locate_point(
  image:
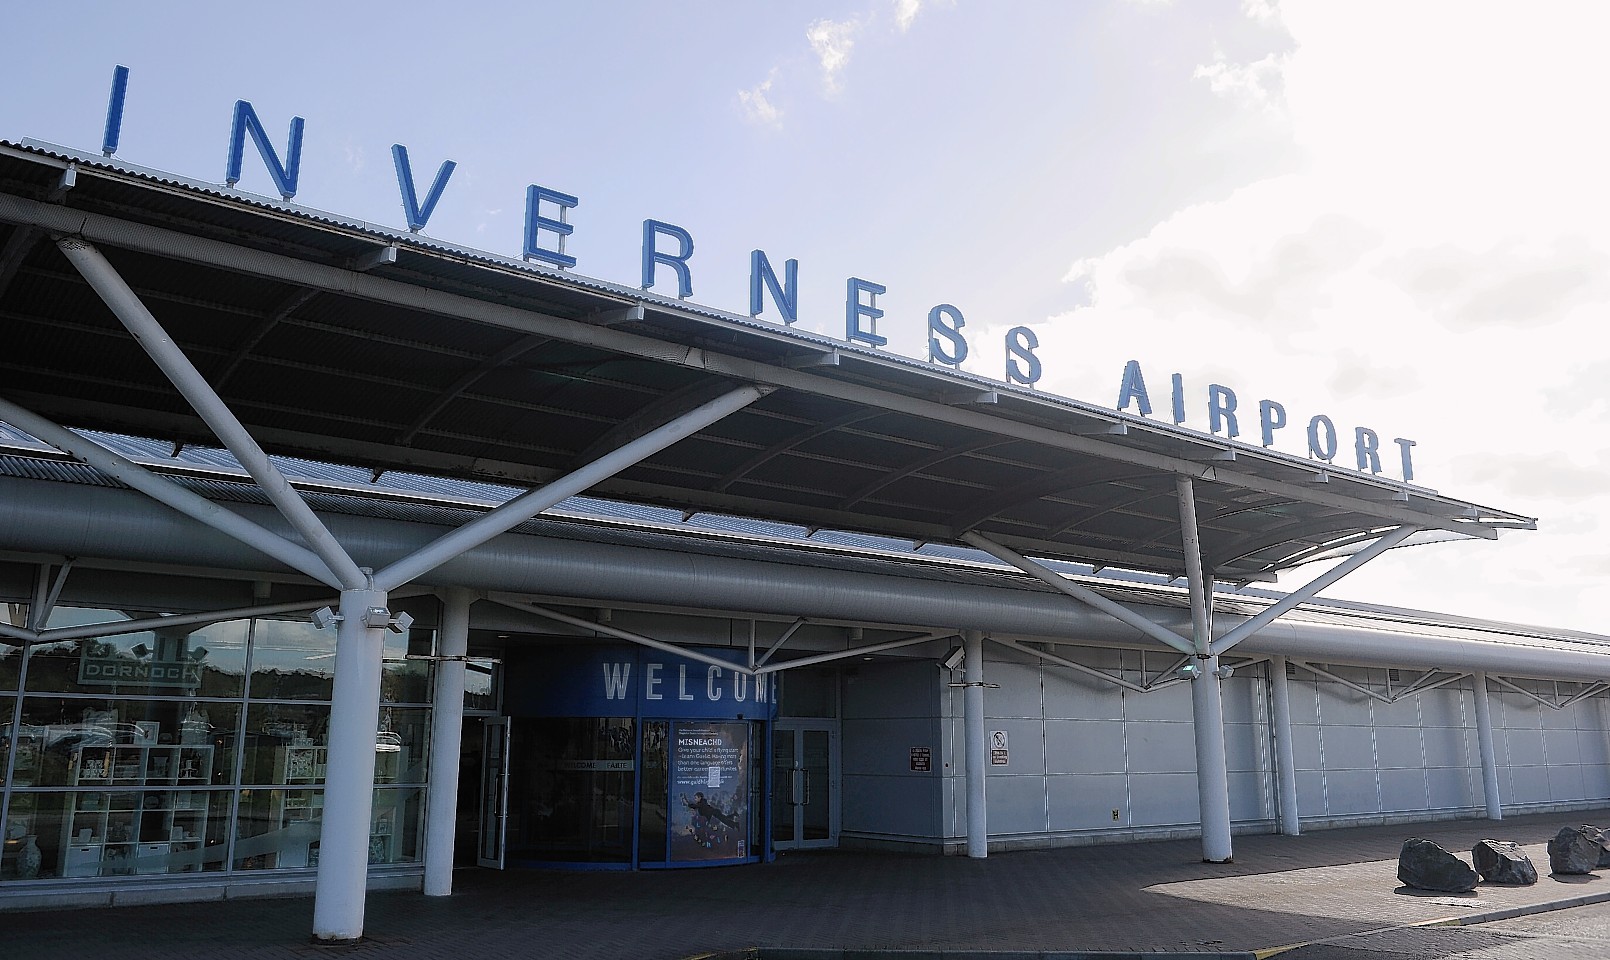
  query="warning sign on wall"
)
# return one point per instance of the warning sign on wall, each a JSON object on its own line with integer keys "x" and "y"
{"x": 997, "y": 748}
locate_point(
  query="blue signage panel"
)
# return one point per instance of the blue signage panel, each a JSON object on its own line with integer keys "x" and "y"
{"x": 633, "y": 682}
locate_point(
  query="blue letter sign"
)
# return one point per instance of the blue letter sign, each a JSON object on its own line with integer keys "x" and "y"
{"x": 417, "y": 215}
{"x": 951, "y": 331}
{"x": 246, "y": 122}
{"x": 854, "y": 310}
{"x": 114, "y": 110}
{"x": 786, "y": 296}
{"x": 535, "y": 223}
{"x": 676, "y": 261}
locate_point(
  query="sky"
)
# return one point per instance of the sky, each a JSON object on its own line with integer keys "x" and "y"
{"x": 1393, "y": 214}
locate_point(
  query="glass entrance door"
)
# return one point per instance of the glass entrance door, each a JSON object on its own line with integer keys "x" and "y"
{"x": 494, "y": 793}
{"x": 805, "y": 784}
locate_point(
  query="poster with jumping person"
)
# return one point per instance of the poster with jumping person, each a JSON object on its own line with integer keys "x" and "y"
{"x": 709, "y": 791}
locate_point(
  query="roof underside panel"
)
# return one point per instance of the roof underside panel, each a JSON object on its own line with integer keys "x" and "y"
{"x": 459, "y": 364}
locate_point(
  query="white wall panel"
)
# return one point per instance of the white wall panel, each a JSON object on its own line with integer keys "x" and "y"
{"x": 1349, "y": 748}
{"x": 1070, "y": 696}
{"x": 1169, "y": 703}
{"x": 1446, "y": 707}
{"x": 1453, "y": 787}
{"x": 1242, "y": 747}
{"x": 1399, "y": 747}
{"x": 1016, "y": 804}
{"x": 1086, "y": 802}
{"x": 1350, "y": 792}
{"x": 1084, "y": 746}
{"x": 1164, "y": 798}
{"x": 1449, "y": 747}
{"x": 1402, "y": 790}
{"x": 1157, "y": 747}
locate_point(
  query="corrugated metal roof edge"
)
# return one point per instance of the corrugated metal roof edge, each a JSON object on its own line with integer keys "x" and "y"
{"x": 632, "y": 294}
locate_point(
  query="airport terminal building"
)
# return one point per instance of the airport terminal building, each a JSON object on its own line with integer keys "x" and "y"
{"x": 335, "y": 557}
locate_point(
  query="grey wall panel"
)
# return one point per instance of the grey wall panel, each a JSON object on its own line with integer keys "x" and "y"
{"x": 1164, "y": 798}
{"x": 1237, "y": 695}
{"x": 1560, "y": 746}
{"x": 1087, "y": 802}
{"x": 1247, "y": 797}
{"x": 1349, "y": 748}
{"x": 1403, "y": 790}
{"x": 1453, "y": 788}
{"x": 1351, "y": 792}
{"x": 1446, "y": 706}
{"x": 1596, "y": 780}
{"x": 1311, "y": 799}
{"x": 1563, "y": 719}
{"x": 1592, "y": 746}
{"x": 1159, "y": 747}
{"x": 891, "y": 805}
{"x": 1305, "y": 746}
{"x": 1070, "y": 696}
{"x": 883, "y": 747}
{"x": 1402, "y": 713}
{"x": 1449, "y": 746}
{"x": 1338, "y": 704}
{"x": 1016, "y": 804}
{"x": 1019, "y": 692}
{"x": 1566, "y": 783}
{"x": 908, "y": 689}
{"x": 1169, "y": 703}
{"x": 1398, "y": 747}
{"x": 1528, "y": 784}
{"x": 1025, "y": 741}
{"x": 1243, "y": 744}
{"x": 1523, "y": 746}
{"x": 1084, "y": 746}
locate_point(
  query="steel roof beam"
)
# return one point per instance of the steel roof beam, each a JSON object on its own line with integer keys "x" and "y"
{"x": 164, "y": 491}
{"x": 529, "y": 504}
{"x": 170, "y": 243}
{"x": 1079, "y": 592}
{"x": 1311, "y": 589}
{"x": 145, "y": 329}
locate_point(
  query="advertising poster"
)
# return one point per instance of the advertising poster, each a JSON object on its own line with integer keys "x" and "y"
{"x": 709, "y": 791}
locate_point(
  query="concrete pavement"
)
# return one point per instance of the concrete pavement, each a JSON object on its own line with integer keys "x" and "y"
{"x": 1118, "y": 898}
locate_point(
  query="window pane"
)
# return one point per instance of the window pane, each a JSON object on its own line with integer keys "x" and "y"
{"x": 400, "y": 754}
{"x": 292, "y": 660}
{"x": 279, "y": 829}
{"x": 480, "y": 686}
{"x": 286, "y": 743}
{"x": 180, "y": 661}
{"x": 116, "y": 832}
{"x": 130, "y": 743}
{"x": 403, "y": 680}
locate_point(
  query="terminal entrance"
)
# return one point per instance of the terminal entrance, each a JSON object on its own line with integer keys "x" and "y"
{"x": 805, "y": 788}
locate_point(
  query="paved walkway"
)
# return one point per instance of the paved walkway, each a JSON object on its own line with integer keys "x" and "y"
{"x": 1123, "y": 898}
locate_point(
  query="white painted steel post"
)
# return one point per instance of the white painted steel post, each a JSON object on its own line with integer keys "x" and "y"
{"x": 446, "y": 742}
{"x": 1212, "y": 773}
{"x": 349, "y": 784}
{"x": 1489, "y": 752}
{"x": 977, "y": 754}
{"x": 1285, "y": 756}
{"x": 1207, "y": 699}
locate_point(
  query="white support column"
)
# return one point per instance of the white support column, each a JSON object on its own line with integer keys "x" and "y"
{"x": 1285, "y": 756}
{"x": 1212, "y": 773}
{"x": 977, "y": 753}
{"x": 350, "y": 782}
{"x": 446, "y": 742}
{"x": 1207, "y": 700}
{"x": 1489, "y": 752}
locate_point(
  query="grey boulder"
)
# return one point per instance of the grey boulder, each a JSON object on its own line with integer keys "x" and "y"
{"x": 1424, "y": 865}
{"x": 1604, "y": 843}
{"x": 1500, "y": 861}
{"x": 1574, "y": 850}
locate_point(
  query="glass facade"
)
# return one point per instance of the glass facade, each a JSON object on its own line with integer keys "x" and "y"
{"x": 192, "y": 750}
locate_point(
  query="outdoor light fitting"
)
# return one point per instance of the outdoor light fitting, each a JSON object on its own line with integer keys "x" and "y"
{"x": 325, "y": 617}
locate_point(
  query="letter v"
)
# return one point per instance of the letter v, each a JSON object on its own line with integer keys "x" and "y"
{"x": 416, "y": 214}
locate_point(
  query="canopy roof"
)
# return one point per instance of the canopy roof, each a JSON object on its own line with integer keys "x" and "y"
{"x": 338, "y": 340}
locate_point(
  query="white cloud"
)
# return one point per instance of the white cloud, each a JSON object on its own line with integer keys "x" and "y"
{"x": 1438, "y": 268}
{"x": 832, "y": 42}
{"x": 757, "y": 104}
{"x": 1254, "y": 84}
{"x": 905, "y": 11}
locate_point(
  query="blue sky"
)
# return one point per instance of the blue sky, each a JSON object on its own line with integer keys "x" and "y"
{"x": 1388, "y": 213}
